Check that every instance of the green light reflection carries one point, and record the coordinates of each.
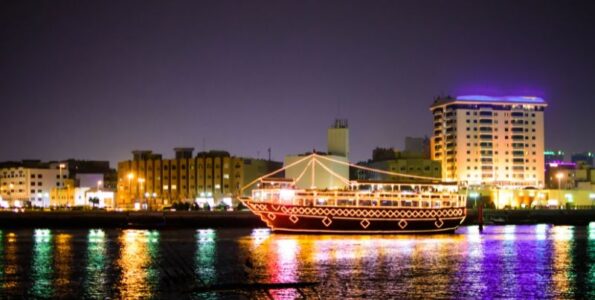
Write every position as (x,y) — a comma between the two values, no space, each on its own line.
(206,255)
(1,256)
(42,267)
(95,279)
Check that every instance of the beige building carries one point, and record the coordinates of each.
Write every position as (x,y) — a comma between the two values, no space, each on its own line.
(323,173)
(490,141)
(406,163)
(255,168)
(28,183)
(150,182)
(547,198)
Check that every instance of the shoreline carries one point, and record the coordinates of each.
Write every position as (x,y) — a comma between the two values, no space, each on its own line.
(245,219)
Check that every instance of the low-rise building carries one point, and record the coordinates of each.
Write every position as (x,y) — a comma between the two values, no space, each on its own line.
(553,156)
(255,168)
(404,162)
(28,183)
(583,160)
(547,198)
(560,175)
(330,172)
(150,182)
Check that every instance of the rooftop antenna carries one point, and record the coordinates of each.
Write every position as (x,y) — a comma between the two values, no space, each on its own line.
(269,153)
(204,144)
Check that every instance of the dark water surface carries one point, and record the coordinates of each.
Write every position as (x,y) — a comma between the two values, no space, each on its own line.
(539,261)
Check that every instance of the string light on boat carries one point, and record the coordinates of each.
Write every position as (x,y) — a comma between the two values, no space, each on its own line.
(286,195)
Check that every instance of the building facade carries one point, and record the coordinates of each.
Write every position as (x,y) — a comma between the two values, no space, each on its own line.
(490,141)
(150,182)
(553,156)
(323,174)
(560,175)
(29,183)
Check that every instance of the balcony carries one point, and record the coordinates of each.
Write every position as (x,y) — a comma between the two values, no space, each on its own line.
(485,129)
(486,137)
(518,137)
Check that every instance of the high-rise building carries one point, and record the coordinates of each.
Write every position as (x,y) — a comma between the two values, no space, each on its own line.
(490,141)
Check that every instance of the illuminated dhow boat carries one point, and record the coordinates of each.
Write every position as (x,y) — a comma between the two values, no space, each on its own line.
(360,207)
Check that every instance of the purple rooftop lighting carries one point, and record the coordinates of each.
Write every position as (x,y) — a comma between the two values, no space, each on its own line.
(524,99)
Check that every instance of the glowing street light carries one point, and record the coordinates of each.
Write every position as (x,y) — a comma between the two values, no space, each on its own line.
(141,182)
(559,176)
(60,185)
(99,184)
(10,187)
(474,196)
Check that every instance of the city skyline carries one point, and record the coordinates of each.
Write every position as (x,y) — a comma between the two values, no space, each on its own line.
(244,78)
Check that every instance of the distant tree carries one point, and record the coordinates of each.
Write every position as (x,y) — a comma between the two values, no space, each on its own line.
(383,154)
(94,202)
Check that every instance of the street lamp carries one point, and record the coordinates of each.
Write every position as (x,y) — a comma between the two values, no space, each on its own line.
(130,176)
(99,183)
(474,196)
(141,181)
(10,187)
(559,176)
(60,186)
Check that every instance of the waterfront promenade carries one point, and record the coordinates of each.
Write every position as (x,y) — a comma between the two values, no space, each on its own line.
(245,219)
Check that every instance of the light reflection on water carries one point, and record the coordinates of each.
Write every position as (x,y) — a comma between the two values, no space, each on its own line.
(540,261)
(138,259)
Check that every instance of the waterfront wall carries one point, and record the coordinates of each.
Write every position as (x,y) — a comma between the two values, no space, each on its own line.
(245,219)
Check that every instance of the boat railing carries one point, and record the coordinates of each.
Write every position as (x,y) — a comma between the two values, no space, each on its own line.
(365,199)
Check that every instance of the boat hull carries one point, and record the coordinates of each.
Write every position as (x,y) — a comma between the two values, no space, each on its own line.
(368,220)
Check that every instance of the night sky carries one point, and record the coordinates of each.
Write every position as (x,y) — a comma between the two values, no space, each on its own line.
(97,79)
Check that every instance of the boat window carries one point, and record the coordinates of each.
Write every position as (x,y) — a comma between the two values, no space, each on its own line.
(365,203)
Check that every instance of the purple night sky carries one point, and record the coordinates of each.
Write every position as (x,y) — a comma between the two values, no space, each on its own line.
(97,79)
